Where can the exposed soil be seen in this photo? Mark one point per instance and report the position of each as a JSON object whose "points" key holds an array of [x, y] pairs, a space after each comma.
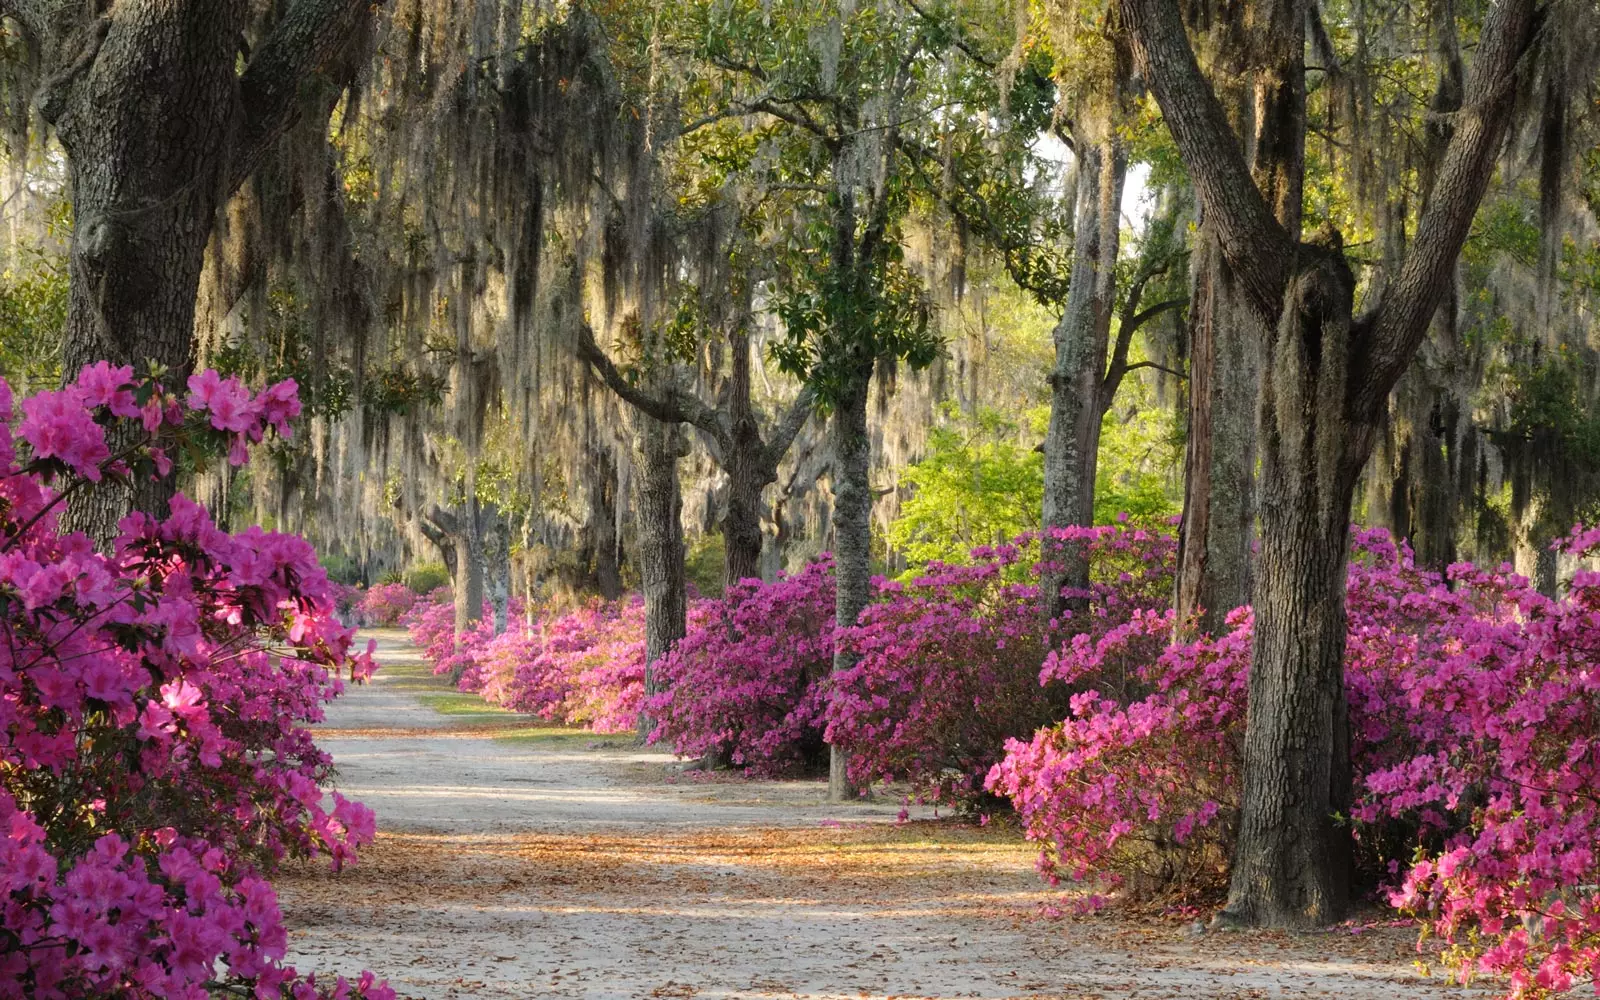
{"points": [[518, 862]]}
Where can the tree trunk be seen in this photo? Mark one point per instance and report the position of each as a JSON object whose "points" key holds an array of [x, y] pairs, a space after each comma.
{"points": [[495, 535], [749, 471], [146, 135], [159, 126], [1218, 530], [741, 521], [659, 513], [852, 541], [1291, 862], [469, 572], [1072, 442], [603, 527]]}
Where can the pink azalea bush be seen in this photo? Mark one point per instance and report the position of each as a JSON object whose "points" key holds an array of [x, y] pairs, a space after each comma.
{"points": [[748, 685], [154, 763], [948, 665], [385, 604], [431, 626], [582, 667], [1475, 741]]}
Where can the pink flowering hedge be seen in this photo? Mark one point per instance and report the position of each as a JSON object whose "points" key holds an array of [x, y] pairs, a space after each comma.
{"points": [[153, 702], [384, 605], [948, 665], [747, 685], [1475, 727], [579, 667]]}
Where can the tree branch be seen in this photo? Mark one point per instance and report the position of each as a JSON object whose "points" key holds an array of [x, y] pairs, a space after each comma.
{"points": [[309, 35], [673, 408], [1255, 245], [789, 428], [26, 13], [1126, 328], [51, 98], [1400, 322], [1158, 367]]}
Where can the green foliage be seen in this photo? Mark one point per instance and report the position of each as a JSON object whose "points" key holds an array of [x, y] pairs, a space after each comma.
{"points": [[1141, 459], [341, 568], [977, 486], [426, 577], [33, 318], [703, 563]]}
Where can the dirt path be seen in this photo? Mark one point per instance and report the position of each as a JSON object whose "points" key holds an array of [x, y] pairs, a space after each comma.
{"points": [[520, 862]]}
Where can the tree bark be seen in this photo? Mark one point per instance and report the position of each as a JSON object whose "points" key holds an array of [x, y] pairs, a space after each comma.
{"points": [[469, 571], [603, 527], [1291, 864], [495, 535], [1327, 384], [159, 128], [1219, 510], [1072, 442], [852, 541], [658, 508]]}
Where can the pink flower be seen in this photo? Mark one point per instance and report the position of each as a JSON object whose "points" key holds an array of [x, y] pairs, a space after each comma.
{"points": [[57, 426]]}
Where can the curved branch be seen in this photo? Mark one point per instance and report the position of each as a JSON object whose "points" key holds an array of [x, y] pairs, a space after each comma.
{"points": [[34, 22], [1255, 245], [1401, 319], [673, 408], [303, 42], [1129, 325], [789, 428]]}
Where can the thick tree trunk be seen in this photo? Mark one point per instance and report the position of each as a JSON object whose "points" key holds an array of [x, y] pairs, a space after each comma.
{"points": [[145, 129], [852, 541], [159, 127], [1072, 442], [658, 509], [1291, 862]]}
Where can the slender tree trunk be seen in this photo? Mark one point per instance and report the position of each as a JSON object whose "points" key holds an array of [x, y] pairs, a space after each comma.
{"points": [[1218, 530], [658, 508], [603, 526], [1072, 442], [496, 537], [852, 543], [748, 471], [469, 571], [741, 522]]}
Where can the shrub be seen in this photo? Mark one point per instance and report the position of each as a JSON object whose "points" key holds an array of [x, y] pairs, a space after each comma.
{"points": [[580, 667], [1474, 707], [425, 578], [949, 663], [155, 764], [385, 604], [744, 685]]}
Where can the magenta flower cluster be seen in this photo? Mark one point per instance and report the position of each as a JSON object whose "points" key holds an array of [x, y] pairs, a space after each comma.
{"points": [[154, 760], [1475, 740], [384, 605], [948, 665], [583, 666], [747, 685]]}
